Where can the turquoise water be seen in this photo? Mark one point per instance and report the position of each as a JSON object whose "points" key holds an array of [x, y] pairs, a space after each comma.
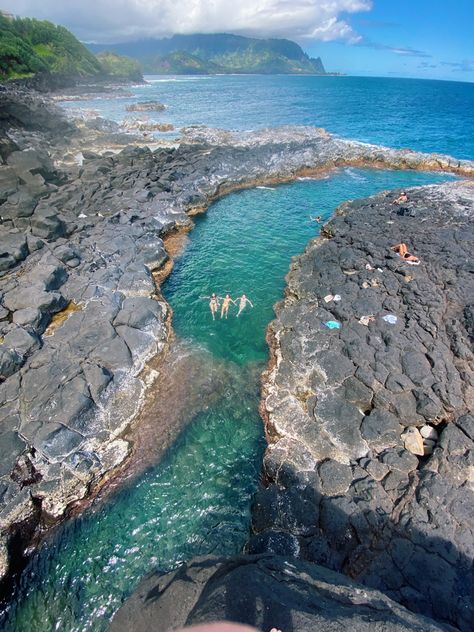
{"points": [[432, 116], [196, 500]]}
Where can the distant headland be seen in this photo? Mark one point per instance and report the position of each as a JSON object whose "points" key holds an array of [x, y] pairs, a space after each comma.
{"points": [[219, 53]]}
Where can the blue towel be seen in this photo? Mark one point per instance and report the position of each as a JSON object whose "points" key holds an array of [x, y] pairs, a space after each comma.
{"points": [[332, 324]]}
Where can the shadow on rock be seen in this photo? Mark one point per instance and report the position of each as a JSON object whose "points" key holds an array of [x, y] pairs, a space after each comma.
{"points": [[265, 591]]}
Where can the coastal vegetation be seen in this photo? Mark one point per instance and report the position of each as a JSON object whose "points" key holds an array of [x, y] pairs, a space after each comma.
{"points": [[119, 67], [181, 63], [30, 47]]}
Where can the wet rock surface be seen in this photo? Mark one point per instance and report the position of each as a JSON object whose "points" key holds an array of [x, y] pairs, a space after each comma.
{"points": [[146, 106], [264, 591], [370, 455], [79, 309]]}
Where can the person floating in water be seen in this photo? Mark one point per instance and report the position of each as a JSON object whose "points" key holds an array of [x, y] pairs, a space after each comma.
{"points": [[226, 301], [213, 304], [317, 219], [243, 300]]}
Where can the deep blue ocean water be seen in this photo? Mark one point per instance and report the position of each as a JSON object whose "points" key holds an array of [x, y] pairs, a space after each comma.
{"points": [[196, 499], [431, 116]]}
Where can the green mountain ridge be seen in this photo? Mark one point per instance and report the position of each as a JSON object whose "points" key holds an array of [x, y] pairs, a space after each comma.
{"points": [[31, 48], [179, 63], [217, 53], [120, 67]]}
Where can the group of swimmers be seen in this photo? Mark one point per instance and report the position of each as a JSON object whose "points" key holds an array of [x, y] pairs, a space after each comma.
{"points": [[214, 303]]}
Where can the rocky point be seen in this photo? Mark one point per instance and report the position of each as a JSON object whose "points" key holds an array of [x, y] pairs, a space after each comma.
{"points": [[369, 462]]}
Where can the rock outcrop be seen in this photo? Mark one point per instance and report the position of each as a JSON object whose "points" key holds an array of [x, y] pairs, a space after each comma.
{"points": [[146, 106], [370, 458], [79, 308], [265, 591]]}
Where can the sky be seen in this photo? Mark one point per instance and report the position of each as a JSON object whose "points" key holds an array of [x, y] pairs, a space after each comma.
{"points": [[401, 38]]}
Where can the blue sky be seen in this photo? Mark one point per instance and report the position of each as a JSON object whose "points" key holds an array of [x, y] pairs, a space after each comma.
{"points": [[419, 38], [408, 38]]}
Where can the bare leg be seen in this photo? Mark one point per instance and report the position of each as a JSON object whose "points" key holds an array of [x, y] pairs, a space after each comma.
{"points": [[401, 249]]}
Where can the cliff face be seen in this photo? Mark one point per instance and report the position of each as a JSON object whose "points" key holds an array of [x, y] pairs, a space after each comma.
{"points": [[370, 437]]}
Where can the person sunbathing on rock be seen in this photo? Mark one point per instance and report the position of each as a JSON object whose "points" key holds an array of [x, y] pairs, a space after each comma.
{"points": [[401, 199], [226, 301], [402, 250], [243, 302]]}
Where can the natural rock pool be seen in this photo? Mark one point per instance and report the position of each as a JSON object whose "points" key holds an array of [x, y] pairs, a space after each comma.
{"points": [[196, 500]]}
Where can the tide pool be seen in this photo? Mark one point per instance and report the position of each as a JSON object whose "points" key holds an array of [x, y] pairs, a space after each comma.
{"points": [[196, 500]]}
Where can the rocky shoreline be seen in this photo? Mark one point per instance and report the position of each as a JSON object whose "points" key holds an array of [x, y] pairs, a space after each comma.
{"points": [[81, 312], [352, 483]]}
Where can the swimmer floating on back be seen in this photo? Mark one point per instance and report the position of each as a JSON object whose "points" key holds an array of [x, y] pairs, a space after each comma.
{"points": [[243, 300], [213, 304], [226, 301]]}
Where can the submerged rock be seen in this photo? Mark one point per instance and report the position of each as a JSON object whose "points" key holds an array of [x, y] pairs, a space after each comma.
{"points": [[146, 106]]}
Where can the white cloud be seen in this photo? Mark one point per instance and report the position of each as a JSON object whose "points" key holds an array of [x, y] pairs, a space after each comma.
{"points": [[115, 20]]}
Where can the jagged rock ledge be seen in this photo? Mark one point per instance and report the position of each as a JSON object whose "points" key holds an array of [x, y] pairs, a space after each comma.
{"points": [[265, 591], [369, 465], [80, 312]]}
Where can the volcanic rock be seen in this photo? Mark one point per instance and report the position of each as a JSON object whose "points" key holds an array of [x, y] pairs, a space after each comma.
{"points": [[264, 591], [146, 106], [400, 521]]}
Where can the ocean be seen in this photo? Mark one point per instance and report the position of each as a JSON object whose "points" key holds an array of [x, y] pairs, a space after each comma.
{"points": [[430, 116]]}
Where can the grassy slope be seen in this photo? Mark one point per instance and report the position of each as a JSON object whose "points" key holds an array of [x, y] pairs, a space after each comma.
{"points": [[29, 47], [120, 67]]}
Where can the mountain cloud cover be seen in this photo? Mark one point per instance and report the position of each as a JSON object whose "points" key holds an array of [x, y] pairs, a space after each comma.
{"points": [[120, 20]]}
